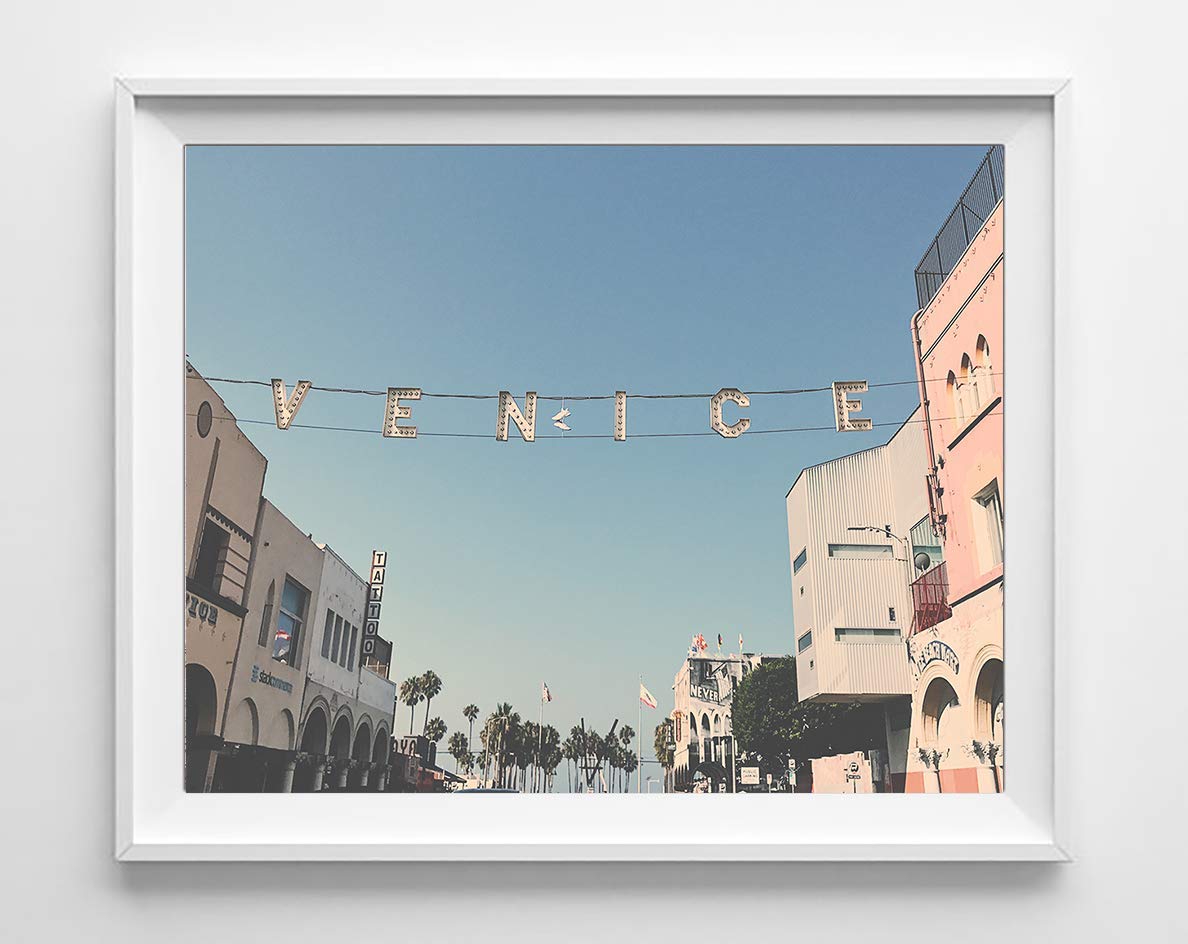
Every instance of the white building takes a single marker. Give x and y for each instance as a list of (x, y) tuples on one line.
[(858, 532), (352, 702), (703, 694)]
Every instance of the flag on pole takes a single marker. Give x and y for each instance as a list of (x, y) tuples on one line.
[(545, 694), (719, 642), (740, 648), (646, 697)]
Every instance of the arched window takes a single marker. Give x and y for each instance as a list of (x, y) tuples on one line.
[(969, 388), (937, 709), (988, 702), (984, 370), (956, 404)]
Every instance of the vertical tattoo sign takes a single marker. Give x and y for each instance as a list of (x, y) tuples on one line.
[(375, 599)]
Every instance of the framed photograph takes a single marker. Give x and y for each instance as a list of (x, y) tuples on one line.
[(633, 454)]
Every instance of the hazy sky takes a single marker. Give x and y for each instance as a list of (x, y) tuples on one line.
[(565, 270)]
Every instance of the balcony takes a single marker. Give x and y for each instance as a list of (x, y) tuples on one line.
[(930, 598)]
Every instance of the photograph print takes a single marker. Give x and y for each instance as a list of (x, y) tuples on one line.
[(594, 469)]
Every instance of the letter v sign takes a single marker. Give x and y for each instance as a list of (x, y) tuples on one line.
[(287, 407)]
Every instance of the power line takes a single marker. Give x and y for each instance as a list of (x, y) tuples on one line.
[(607, 436), (356, 391)]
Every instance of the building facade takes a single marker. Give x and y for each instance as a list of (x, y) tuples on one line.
[(278, 694), (268, 678), (957, 736), (859, 534), (343, 696), (224, 481), (703, 693)]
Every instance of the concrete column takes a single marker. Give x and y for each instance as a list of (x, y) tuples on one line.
[(381, 782), (341, 781), (319, 773), (287, 780), (363, 778)]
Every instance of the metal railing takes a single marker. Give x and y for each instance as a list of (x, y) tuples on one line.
[(930, 598), (972, 210)]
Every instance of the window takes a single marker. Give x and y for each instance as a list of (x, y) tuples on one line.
[(804, 641), (862, 634), (327, 633), (955, 398), (337, 638), (211, 551), (266, 622), (353, 649), (800, 561), (861, 551), (890, 614), (983, 371), (989, 505), (294, 600), (969, 389)]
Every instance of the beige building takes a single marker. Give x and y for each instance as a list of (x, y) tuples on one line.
[(224, 479), (268, 679), (859, 535)]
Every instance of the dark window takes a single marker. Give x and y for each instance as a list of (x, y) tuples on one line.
[(211, 552), (801, 558), (204, 419), (327, 633), (266, 619), (804, 641), (337, 639), (353, 648)]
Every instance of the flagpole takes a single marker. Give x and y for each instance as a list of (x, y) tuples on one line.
[(540, 729), (639, 742)]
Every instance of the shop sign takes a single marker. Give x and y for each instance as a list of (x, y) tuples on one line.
[(267, 678), (748, 776), (937, 651), (199, 609)]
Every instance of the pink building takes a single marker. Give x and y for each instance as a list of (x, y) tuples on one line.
[(956, 641)]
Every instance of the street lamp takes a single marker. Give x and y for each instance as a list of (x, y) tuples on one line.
[(887, 532)]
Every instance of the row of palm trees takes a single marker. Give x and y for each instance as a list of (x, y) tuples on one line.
[(523, 755)]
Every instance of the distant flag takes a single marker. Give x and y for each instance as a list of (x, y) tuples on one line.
[(646, 697), (740, 648), (545, 694), (719, 642)]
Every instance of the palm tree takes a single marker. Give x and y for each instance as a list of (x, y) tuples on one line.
[(459, 747), (500, 739), (471, 713), (410, 694), (430, 688), (626, 736), (435, 728)]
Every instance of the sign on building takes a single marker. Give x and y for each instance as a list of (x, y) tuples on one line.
[(375, 599), (748, 776)]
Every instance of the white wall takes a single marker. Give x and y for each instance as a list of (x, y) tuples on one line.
[(1126, 235)]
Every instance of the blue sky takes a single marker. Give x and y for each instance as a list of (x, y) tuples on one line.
[(569, 270)]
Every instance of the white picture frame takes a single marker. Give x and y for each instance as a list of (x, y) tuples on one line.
[(156, 820)]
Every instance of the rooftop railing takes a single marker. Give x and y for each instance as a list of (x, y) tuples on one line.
[(972, 210)]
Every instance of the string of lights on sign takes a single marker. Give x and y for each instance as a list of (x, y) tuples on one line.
[(400, 401)]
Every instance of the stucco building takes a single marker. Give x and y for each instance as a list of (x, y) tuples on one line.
[(957, 736), (859, 533), (224, 480), (703, 693)]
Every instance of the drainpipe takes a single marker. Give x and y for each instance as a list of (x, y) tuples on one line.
[(935, 507)]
